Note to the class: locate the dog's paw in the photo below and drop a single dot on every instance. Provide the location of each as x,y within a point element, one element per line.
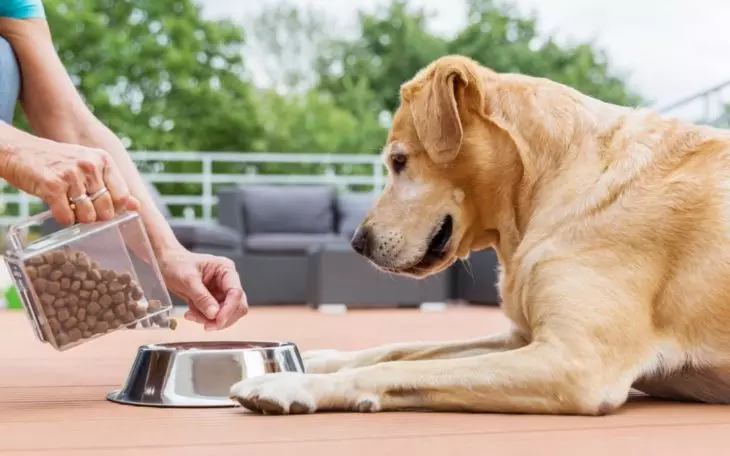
<point>325,361</point>
<point>275,394</point>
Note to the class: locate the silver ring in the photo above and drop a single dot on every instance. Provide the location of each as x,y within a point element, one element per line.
<point>78,199</point>
<point>98,193</point>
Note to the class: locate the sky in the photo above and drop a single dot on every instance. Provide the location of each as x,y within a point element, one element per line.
<point>669,49</point>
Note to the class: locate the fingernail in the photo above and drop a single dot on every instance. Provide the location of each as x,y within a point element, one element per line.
<point>211,311</point>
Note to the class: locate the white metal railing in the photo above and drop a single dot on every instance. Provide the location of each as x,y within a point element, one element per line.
<point>706,107</point>
<point>374,177</point>
<point>709,107</point>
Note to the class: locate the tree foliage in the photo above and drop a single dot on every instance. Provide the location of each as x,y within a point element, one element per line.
<point>157,73</point>
<point>165,78</point>
<point>394,43</point>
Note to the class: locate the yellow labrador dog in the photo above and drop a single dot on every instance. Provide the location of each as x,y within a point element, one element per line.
<point>612,227</point>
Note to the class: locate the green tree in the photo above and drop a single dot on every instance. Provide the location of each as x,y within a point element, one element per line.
<point>391,46</point>
<point>159,75</point>
<point>394,43</point>
<point>503,39</point>
<point>284,43</point>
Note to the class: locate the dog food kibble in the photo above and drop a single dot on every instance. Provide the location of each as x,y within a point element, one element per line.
<point>80,300</point>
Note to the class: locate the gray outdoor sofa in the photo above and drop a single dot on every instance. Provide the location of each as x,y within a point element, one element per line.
<point>296,249</point>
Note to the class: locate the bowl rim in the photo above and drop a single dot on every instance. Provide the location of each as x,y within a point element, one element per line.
<point>218,345</point>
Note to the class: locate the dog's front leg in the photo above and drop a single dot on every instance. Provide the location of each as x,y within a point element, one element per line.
<point>327,361</point>
<point>587,348</point>
<point>538,378</point>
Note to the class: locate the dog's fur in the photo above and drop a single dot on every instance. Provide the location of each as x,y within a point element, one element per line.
<point>612,227</point>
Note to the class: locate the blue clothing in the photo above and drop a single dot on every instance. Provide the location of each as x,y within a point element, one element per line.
<point>9,81</point>
<point>22,9</point>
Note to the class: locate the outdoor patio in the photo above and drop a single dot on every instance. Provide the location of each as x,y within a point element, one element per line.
<point>54,403</point>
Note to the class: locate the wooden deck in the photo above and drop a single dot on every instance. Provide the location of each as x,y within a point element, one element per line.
<point>54,403</point>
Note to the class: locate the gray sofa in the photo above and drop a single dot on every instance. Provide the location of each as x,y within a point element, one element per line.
<point>279,225</point>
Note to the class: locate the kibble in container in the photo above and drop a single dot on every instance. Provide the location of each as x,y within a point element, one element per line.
<point>87,280</point>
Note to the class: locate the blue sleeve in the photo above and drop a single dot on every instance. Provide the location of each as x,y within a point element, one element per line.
<point>22,9</point>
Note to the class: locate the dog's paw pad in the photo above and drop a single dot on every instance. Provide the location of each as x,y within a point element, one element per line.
<point>368,405</point>
<point>270,406</point>
<point>297,408</point>
<point>275,394</point>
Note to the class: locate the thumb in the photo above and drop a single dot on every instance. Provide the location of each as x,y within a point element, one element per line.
<point>200,298</point>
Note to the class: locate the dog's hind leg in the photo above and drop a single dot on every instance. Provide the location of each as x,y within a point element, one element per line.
<point>327,361</point>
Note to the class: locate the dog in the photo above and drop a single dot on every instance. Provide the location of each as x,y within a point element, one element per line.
<point>612,229</point>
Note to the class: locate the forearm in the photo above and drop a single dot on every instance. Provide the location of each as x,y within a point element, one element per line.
<point>162,238</point>
<point>12,142</point>
<point>56,111</point>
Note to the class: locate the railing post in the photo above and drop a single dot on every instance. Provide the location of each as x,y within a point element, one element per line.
<point>207,188</point>
<point>706,99</point>
<point>24,206</point>
<point>378,177</point>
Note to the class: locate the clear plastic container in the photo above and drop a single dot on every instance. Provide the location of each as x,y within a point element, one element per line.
<point>87,280</point>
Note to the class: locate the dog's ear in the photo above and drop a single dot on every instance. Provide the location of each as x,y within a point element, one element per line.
<point>433,100</point>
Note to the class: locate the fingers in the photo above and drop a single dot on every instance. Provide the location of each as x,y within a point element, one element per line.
<point>118,191</point>
<point>235,307</point>
<point>200,298</point>
<point>230,312</point>
<point>97,190</point>
<point>195,316</point>
<point>222,306</point>
<point>68,200</point>
<point>209,284</point>
<point>86,189</point>
<point>235,304</point>
<point>60,208</point>
<point>77,196</point>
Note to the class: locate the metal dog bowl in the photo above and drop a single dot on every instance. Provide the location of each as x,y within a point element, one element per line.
<point>200,374</point>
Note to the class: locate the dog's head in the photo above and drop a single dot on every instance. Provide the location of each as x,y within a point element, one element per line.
<point>443,159</point>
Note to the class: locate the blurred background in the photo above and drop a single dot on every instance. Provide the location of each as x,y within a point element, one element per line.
<point>216,94</point>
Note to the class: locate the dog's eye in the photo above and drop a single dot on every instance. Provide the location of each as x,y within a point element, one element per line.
<point>399,162</point>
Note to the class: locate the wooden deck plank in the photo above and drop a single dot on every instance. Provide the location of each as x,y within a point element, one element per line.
<point>54,403</point>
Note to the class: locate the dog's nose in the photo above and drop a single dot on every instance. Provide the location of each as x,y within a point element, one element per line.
<point>361,240</point>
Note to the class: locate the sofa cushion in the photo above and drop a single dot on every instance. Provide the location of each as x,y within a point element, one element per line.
<point>288,242</point>
<point>288,209</point>
<point>193,234</point>
<point>351,209</point>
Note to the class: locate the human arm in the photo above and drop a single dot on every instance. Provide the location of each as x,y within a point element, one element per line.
<point>68,119</point>
<point>57,113</point>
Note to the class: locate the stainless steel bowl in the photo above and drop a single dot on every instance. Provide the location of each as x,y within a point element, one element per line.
<point>200,374</point>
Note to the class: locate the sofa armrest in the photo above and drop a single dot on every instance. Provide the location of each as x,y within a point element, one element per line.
<point>230,210</point>
<point>195,234</point>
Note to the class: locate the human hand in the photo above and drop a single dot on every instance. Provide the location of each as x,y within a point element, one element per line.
<point>210,285</point>
<point>77,182</point>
